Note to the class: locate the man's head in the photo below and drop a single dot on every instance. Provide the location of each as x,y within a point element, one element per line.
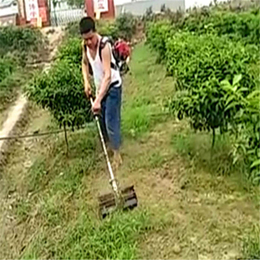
<point>88,32</point>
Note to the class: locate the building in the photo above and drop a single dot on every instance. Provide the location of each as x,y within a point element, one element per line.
<point>139,7</point>
<point>8,12</point>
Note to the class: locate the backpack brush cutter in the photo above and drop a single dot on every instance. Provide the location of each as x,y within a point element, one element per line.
<point>119,199</point>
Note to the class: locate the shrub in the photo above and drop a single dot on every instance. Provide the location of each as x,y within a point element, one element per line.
<point>243,26</point>
<point>193,60</point>
<point>225,107</point>
<point>211,106</point>
<point>14,38</point>
<point>72,29</point>
<point>123,27</point>
<point>157,35</point>
<point>70,50</point>
<point>247,129</point>
<point>61,91</point>
<point>7,67</point>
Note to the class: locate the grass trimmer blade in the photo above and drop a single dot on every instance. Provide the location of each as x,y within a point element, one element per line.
<point>118,199</point>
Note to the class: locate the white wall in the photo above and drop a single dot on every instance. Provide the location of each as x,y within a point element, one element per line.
<point>188,3</point>
<point>140,7</point>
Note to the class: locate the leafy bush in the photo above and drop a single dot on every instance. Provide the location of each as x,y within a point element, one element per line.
<point>193,60</point>
<point>157,35</point>
<point>7,67</point>
<point>237,26</point>
<point>247,129</point>
<point>61,91</point>
<point>14,38</point>
<point>70,50</point>
<point>210,106</point>
<point>16,46</point>
<point>226,107</point>
<point>123,27</point>
<point>61,88</point>
<point>205,53</point>
<point>107,28</point>
<point>72,29</point>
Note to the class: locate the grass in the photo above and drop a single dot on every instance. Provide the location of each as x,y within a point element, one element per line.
<point>251,243</point>
<point>9,87</point>
<point>114,238</point>
<point>54,197</point>
<point>196,147</point>
<point>192,203</point>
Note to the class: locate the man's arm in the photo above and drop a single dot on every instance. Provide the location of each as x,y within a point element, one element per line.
<point>106,60</point>
<point>85,72</point>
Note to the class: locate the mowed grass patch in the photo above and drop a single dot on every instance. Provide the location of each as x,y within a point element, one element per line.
<point>145,90</point>
<point>196,148</point>
<point>88,238</point>
<point>56,215</point>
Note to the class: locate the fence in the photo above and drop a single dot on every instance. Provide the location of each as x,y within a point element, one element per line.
<point>63,17</point>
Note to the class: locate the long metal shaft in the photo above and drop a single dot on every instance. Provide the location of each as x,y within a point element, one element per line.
<point>112,177</point>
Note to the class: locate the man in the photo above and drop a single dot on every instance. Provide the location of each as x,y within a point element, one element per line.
<point>98,54</point>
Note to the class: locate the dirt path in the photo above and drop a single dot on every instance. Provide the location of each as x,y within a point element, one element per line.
<point>13,116</point>
<point>16,112</point>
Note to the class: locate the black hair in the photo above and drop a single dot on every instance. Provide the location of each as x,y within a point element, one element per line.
<point>86,25</point>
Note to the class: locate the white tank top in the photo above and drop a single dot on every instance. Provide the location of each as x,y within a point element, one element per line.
<point>98,69</point>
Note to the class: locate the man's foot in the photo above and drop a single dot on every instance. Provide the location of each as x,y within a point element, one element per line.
<point>117,160</point>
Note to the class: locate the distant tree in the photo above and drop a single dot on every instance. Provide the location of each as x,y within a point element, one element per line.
<point>149,11</point>
<point>76,3</point>
<point>163,8</point>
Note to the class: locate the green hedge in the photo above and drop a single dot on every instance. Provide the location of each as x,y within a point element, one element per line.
<point>14,38</point>
<point>243,26</point>
<point>193,60</point>
<point>123,27</point>
<point>61,90</point>
<point>217,72</point>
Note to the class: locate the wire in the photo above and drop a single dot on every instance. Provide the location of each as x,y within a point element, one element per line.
<point>59,131</point>
<point>30,135</point>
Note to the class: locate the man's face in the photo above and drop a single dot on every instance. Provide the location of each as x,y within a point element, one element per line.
<point>90,39</point>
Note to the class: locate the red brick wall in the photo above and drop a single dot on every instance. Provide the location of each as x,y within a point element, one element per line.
<point>44,12</point>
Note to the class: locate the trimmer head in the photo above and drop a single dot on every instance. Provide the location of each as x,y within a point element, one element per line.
<point>111,201</point>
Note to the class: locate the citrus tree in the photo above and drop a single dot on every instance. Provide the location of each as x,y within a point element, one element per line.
<point>60,90</point>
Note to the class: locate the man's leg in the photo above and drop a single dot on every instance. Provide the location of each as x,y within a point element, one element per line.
<point>113,122</point>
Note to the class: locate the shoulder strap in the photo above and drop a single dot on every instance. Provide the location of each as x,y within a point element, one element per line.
<point>102,44</point>
<point>88,64</point>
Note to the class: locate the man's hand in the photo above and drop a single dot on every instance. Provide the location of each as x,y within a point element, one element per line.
<point>87,90</point>
<point>96,106</point>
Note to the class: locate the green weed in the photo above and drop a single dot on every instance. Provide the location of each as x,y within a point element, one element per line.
<point>53,210</point>
<point>156,159</point>
<point>37,175</point>
<point>197,149</point>
<point>136,120</point>
<point>113,238</point>
<point>251,244</point>
<point>22,209</point>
